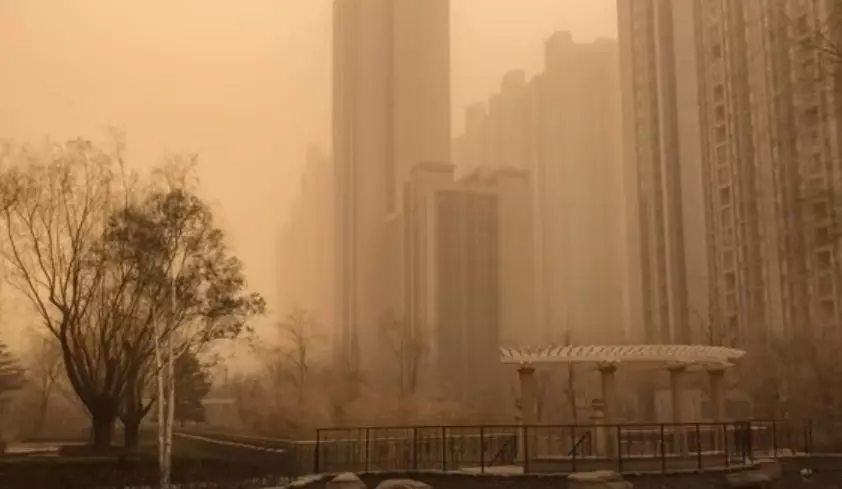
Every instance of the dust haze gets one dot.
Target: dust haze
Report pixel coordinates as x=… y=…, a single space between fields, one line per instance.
x=417 y=212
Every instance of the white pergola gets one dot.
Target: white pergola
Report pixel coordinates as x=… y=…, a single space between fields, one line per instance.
x=651 y=355
x=677 y=359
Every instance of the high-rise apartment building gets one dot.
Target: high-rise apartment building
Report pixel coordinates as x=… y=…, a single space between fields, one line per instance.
x=306 y=258
x=562 y=127
x=662 y=154
x=770 y=105
x=466 y=287
x=391 y=110
x=737 y=100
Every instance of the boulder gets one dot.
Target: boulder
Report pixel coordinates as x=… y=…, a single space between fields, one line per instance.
x=598 y=479
x=346 y=480
x=403 y=484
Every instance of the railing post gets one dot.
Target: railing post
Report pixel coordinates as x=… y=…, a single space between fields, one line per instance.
x=316 y=461
x=775 y=438
x=526 y=449
x=574 y=445
x=725 y=444
x=808 y=436
x=749 y=448
x=663 y=451
x=482 y=449
x=444 y=448
x=415 y=448
x=619 y=449
x=367 y=448
x=699 y=446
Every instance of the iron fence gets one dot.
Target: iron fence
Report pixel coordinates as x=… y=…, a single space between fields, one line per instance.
x=664 y=447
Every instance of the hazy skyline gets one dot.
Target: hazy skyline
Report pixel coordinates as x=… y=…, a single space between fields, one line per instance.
x=245 y=85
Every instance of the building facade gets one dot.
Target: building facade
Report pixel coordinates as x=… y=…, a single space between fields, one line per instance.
x=391 y=110
x=466 y=291
x=663 y=168
x=770 y=102
x=306 y=255
x=562 y=126
x=731 y=114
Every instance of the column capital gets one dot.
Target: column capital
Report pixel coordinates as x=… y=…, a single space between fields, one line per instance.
x=525 y=368
x=607 y=367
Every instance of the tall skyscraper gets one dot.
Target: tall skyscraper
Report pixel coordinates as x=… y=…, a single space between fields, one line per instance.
x=577 y=170
x=732 y=113
x=391 y=110
x=306 y=273
x=562 y=127
x=770 y=105
x=662 y=148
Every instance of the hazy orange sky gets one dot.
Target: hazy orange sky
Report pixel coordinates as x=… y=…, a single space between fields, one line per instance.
x=246 y=84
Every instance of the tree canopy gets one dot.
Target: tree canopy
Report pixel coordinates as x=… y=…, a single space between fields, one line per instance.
x=107 y=263
x=192 y=384
x=11 y=374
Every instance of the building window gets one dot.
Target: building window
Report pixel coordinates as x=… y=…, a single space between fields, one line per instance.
x=825 y=285
x=730 y=281
x=722 y=153
x=811 y=116
x=716 y=51
x=822 y=235
x=725 y=196
x=823 y=259
x=728 y=259
x=728 y=237
x=720 y=113
x=731 y=302
x=733 y=322
x=726 y=219
x=721 y=133
x=827 y=311
x=820 y=210
x=718 y=93
x=815 y=164
x=803 y=24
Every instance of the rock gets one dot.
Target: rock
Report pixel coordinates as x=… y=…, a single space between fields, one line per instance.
x=347 y=480
x=403 y=484
x=749 y=479
x=598 y=479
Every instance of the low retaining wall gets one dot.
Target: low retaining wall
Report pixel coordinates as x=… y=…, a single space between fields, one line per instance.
x=827 y=474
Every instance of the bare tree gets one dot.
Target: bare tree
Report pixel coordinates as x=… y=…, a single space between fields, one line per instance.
x=52 y=227
x=543 y=380
x=299 y=327
x=570 y=385
x=97 y=261
x=407 y=346
x=45 y=371
x=715 y=331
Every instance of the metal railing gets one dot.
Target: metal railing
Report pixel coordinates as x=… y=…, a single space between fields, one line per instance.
x=661 y=448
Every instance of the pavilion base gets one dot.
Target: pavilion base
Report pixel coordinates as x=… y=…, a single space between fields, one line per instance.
x=639 y=463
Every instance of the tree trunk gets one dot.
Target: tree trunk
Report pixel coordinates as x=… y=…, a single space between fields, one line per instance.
x=131 y=431
x=102 y=425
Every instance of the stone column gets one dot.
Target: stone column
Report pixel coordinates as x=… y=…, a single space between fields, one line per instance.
x=529 y=414
x=717 y=396
x=717 y=405
x=607 y=373
x=677 y=391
